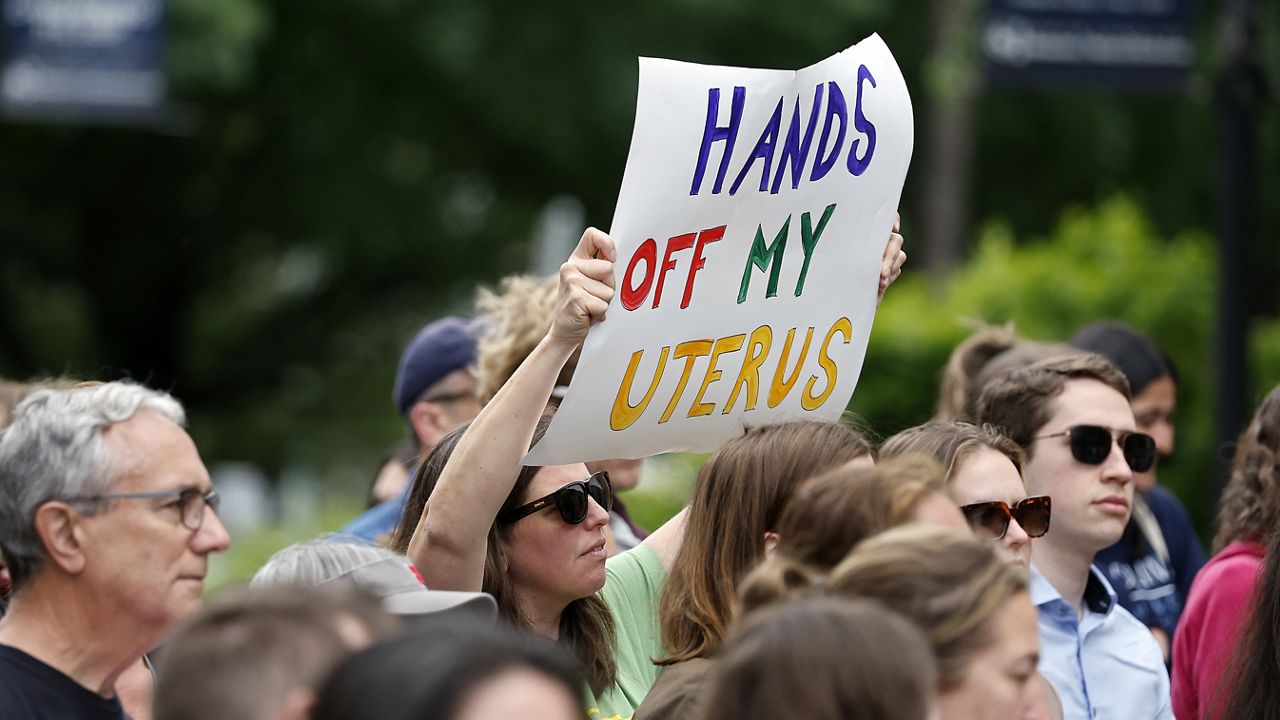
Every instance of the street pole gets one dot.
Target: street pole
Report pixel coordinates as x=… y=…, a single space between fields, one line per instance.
x=1237 y=96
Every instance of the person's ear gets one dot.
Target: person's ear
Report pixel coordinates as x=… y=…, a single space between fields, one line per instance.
x=770 y=544
x=297 y=705
x=428 y=423
x=62 y=534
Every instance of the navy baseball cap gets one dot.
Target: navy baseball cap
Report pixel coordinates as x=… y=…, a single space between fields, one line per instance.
x=438 y=349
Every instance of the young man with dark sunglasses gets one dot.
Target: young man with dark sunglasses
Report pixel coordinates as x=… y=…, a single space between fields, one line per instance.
x=1071 y=415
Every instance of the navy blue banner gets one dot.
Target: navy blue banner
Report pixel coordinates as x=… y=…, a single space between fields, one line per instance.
x=1137 y=44
x=83 y=60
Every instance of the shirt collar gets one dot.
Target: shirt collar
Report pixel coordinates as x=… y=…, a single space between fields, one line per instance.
x=1099 y=597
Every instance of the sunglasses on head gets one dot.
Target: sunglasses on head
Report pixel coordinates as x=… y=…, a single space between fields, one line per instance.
x=1091 y=444
x=990 y=520
x=571 y=501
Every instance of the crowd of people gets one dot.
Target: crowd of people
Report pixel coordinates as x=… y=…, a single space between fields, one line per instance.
x=1013 y=558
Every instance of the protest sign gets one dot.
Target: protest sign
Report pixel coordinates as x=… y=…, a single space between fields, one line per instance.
x=753 y=214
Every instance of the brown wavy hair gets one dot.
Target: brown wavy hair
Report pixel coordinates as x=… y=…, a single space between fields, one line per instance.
x=951 y=443
x=1250 y=505
x=737 y=498
x=586 y=625
x=951 y=584
x=1247 y=687
x=835 y=511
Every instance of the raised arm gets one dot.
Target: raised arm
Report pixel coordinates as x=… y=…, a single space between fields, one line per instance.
x=450 y=541
x=666 y=540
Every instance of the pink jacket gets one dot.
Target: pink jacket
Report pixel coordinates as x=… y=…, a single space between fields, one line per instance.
x=1220 y=600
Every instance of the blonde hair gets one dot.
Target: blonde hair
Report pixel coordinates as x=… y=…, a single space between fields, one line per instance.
x=515 y=319
x=989 y=352
x=964 y=364
x=951 y=584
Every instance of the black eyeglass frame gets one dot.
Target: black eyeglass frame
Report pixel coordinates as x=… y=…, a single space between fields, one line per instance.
x=185 y=497
x=1139 y=459
x=1011 y=513
x=446 y=398
x=553 y=499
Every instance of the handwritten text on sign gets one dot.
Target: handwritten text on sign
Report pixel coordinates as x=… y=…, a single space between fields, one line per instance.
x=753 y=213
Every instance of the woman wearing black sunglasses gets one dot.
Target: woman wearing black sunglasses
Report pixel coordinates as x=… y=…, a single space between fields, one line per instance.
x=496 y=525
x=534 y=536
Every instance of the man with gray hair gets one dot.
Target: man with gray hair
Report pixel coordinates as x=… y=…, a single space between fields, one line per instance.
x=107 y=519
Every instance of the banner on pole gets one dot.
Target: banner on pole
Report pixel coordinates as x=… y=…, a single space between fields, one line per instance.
x=1142 y=45
x=83 y=61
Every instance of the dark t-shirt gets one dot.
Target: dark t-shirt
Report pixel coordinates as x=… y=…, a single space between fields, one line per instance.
x=31 y=690
x=679 y=693
x=1147 y=586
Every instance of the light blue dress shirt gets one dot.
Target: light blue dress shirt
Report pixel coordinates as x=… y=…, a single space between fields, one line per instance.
x=1106 y=665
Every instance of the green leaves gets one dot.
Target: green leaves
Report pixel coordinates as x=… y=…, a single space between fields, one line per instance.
x=1104 y=262
x=214 y=46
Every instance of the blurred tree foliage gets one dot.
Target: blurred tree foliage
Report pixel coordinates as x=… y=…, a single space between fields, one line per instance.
x=338 y=171
x=1095 y=264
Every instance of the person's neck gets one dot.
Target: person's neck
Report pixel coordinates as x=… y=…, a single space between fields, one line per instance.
x=542 y=613
x=1067 y=570
x=52 y=623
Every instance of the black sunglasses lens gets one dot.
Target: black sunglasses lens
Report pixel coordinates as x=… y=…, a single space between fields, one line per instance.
x=1140 y=452
x=599 y=490
x=989 y=520
x=1090 y=444
x=1033 y=515
x=571 y=501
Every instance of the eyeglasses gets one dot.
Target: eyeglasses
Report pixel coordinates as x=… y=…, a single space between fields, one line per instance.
x=990 y=520
x=446 y=398
x=1091 y=444
x=190 y=502
x=572 y=500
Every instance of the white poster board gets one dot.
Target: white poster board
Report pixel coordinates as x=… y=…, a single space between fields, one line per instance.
x=754 y=210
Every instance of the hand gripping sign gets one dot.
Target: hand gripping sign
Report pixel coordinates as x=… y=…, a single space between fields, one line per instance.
x=753 y=213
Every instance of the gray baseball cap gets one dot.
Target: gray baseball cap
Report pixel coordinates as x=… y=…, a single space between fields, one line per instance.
x=398 y=585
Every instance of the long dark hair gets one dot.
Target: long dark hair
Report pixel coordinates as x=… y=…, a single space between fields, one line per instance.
x=586 y=625
x=1252 y=692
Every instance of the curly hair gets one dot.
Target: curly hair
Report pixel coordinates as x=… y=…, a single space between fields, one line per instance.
x=1250 y=506
x=515 y=319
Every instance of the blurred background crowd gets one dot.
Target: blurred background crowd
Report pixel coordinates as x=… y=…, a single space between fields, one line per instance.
x=314 y=181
